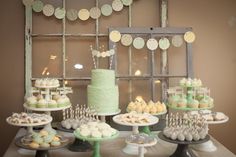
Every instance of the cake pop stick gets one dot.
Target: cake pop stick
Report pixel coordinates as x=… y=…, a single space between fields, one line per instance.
x=64 y=114
x=94 y=60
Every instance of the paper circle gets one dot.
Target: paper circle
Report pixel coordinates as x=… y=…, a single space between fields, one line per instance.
x=28 y=2
x=138 y=43
x=177 y=41
x=106 y=10
x=95 y=13
x=152 y=44
x=115 y=36
x=189 y=37
x=164 y=43
x=83 y=14
x=117 y=5
x=127 y=2
x=48 y=10
x=37 y=6
x=60 y=13
x=72 y=14
x=126 y=40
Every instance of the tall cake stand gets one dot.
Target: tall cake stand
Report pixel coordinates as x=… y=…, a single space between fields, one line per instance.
x=209 y=145
x=78 y=145
x=40 y=152
x=47 y=111
x=131 y=149
x=183 y=149
x=96 y=145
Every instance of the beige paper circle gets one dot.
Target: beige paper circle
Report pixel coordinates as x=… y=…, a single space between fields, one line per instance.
x=117 y=5
x=28 y=2
x=127 y=2
x=152 y=44
x=115 y=36
x=60 y=13
x=95 y=13
x=84 y=14
x=48 y=10
x=72 y=14
x=189 y=37
x=126 y=40
x=37 y=6
x=138 y=43
x=164 y=43
x=106 y=10
x=177 y=41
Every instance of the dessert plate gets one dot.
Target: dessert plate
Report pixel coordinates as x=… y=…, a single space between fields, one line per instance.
x=138 y=43
x=49 y=120
x=164 y=43
x=117 y=5
x=60 y=13
x=95 y=13
x=115 y=36
x=37 y=6
x=152 y=44
x=177 y=41
x=127 y=2
x=48 y=10
x=83 y=14
x=189 y=37
x=106 y=10
x=126 y=40
x=72 y=14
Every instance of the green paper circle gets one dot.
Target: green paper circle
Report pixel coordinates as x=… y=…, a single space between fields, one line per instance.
x=72 y=14
x=37 y=6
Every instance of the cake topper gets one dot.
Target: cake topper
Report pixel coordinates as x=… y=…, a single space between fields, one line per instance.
x=102 y=53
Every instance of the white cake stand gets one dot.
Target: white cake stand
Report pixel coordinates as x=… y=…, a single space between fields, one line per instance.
x=209 y=145
x=133 y=149
x=47 y=111
x=103 y=115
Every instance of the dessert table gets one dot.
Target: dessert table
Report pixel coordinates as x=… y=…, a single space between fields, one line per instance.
x=114 y=147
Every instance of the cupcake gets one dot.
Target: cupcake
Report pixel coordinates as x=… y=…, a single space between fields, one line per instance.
x=45 y=145
x=32 y=101
x=182 y=103
x=203 y=103
x=174 y=100
x=34 y=145
x=42 y=103
x=189 y=82
x=55 y=143
x=61 y=102
x=195 y=83
x=193 y=103
x=52 y=104
x=182 y=82
x=56 y=97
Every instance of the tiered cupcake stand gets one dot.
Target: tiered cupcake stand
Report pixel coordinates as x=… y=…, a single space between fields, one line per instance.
x=133 y=149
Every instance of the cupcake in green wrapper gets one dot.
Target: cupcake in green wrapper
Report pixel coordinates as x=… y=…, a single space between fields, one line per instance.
x=204 y=103
x=182 y=102
x=32 y=101
x=193 y=103
x=173 y=100
x=42 y=103
x=52 y=104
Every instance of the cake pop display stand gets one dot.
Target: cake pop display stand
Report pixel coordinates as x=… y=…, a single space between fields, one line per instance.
x=96 y=144
x=40 y=152
x=141 y=147
x=78 y=145
x=183 y=149
x=209 y=145
x=47 y=111
x=132 y=149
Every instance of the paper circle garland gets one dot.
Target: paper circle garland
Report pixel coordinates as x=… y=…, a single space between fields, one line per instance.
x=138 y=43
x=164 y=43
x=126 y=40
x=115 y=36
x=177 y=41
x=60 y=13
x=37 y=6
x=72 y=14
x=48 y=10
x=189 y=37
x=117 y=5
x=83 y=14
x=106 y=10
x=28 y=2
x=95 y=13
x=152 y=44
x=127 y=2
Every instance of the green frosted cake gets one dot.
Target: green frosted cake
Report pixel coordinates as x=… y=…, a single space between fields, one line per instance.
x=103 y=94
